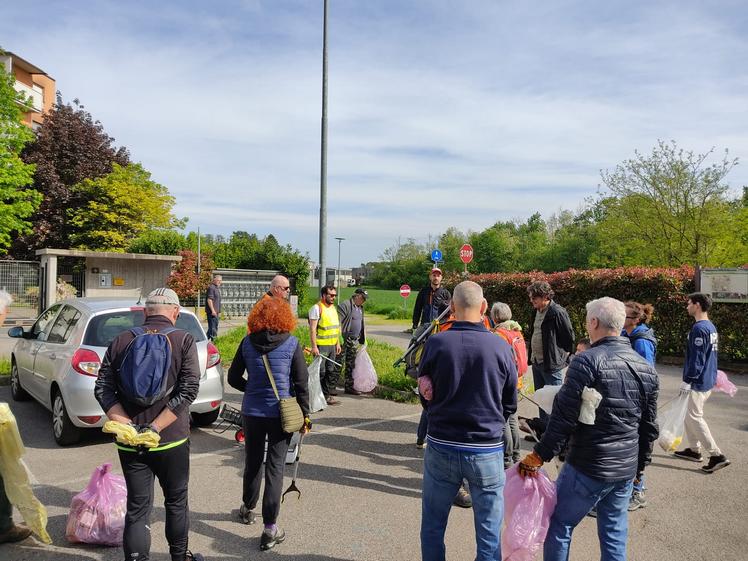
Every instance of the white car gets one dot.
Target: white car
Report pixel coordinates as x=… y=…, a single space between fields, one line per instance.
x=56 y=362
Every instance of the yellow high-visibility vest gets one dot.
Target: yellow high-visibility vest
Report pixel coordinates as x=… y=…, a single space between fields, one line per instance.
x=328 y=327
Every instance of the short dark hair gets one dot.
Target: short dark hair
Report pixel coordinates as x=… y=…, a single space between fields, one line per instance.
x=327 y=288
x=540 y=288
x=585 y=343
x=702 y=299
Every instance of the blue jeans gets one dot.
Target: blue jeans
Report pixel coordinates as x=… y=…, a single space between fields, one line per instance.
x=212 y=326
x=542 y=378
x=577 y=494
x=443 y=472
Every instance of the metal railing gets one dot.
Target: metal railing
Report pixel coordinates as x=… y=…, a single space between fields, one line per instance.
x=21 y=280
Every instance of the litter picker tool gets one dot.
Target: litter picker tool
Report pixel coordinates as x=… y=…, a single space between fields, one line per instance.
x=293 y=488
x=309 y=351
x=421 y=337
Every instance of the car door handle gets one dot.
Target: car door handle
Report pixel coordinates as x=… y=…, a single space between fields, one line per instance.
x=53 y=356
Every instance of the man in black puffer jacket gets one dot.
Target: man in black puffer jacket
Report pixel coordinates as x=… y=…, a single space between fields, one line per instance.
x=604 y=458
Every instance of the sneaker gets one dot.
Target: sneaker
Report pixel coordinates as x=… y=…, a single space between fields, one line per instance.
x=334 y=393
x=530 y=426
x=270 y=539
x=420 y=444
x=593 y=512
x=193 y=557
x=688 y=454
x=351 y=391
x=15 y=534
x=638 y=500
x=715 y=463
x=462 y=499
x=246 y=515
x=332 y=401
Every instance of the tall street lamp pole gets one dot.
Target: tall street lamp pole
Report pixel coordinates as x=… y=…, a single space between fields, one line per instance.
x=323 y=163
x=337 y=275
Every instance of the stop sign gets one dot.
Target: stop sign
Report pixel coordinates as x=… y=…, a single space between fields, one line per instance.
x=405 y=291
x=466 y=253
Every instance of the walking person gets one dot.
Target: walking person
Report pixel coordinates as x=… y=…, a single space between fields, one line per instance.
x=472 y=377
x=351 y=314
x=550 y=340
x=271 y=322
x=324 y=332
x=9 y=532
x=213 y=306
x=606 y=457
x=699 y=377
x=169 y=462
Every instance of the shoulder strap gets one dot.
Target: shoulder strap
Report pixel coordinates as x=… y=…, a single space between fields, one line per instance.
x=270 y=375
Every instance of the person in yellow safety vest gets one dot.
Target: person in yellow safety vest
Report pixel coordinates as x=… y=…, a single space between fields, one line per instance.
x=324 y=331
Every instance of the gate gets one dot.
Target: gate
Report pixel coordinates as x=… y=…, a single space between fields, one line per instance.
x=21 y=280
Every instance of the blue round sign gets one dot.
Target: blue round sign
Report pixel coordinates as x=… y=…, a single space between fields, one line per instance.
x=436 y=255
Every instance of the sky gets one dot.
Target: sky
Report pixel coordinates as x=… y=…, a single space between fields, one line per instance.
x=440 y=113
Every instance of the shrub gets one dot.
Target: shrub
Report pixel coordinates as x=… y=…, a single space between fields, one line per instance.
x=666 y=289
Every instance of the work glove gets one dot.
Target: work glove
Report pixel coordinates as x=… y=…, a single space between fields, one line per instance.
x=530 y=465
x=426 y=388
x=685 y=388
x=307 y=426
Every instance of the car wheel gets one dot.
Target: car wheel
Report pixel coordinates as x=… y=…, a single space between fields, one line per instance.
x=205 y=419
x=18 y=393
x=65 y=432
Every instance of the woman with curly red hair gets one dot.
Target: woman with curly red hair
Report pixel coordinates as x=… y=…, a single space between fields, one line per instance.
x=270 y=324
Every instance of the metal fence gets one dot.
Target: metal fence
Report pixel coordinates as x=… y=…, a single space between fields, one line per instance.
x=241 y=288
x=21 y=280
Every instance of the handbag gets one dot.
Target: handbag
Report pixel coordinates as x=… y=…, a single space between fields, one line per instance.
x=292 y=419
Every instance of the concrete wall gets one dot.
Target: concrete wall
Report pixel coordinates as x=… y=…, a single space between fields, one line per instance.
x=136 y=276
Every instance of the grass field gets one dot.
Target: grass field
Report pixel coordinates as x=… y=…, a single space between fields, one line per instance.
x=383 y=302
x=4 y=367
x=382 y=355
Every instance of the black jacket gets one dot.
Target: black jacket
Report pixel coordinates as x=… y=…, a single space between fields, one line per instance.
x=184 y=377
x=558 y=337
x=619 y=445
x=440 y=298
x=264 y=342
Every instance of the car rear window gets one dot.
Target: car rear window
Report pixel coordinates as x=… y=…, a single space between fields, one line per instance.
x=103 y=328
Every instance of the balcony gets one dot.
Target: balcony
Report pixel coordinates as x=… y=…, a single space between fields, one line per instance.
x=34 y=92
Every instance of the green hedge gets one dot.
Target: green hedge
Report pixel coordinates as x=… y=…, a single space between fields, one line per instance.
x=665 y=289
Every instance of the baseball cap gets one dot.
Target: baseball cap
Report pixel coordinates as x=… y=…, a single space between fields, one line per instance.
x=163 y=296
x=362 y=292
x=436 y=270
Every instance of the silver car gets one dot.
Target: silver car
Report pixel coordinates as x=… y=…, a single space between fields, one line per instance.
x=56 y=362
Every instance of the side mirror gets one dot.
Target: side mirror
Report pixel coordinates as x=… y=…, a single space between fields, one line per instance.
x=16 y=332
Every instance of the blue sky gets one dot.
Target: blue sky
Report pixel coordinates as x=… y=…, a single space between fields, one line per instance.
x=441 y=113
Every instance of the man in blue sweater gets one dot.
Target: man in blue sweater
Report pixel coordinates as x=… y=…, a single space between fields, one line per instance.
x=474 y=390
x=699 y=377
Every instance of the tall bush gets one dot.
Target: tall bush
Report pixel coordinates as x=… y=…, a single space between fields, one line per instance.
x=665 y=289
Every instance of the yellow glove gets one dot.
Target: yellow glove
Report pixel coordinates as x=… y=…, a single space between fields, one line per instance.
x=530 y=465
x=129 y=435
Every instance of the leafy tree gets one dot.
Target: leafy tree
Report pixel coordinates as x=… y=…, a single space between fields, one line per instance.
x=159 y=242
x=184 y=279
x=70 y=146
x=17 y=204
x=669 y=207
x=118 y=207
x=450 y=243
x=494 y=248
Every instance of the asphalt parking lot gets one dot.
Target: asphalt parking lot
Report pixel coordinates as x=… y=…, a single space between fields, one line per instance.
x=360 y=479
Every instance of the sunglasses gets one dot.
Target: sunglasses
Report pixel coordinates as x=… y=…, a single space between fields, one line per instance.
x=284 y=288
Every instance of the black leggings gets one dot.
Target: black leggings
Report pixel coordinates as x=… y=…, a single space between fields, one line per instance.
x=172 y=468
x=255 y=431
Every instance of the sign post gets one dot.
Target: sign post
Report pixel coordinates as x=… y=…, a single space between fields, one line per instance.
x=436 y=256
x=466 y=254
x=405 y=292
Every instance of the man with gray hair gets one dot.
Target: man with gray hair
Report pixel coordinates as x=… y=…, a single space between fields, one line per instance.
x=472 y=391
x=9 y=532
x=169 y=417
x=607 y=456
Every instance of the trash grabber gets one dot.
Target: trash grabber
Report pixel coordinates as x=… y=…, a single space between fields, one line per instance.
x=293 y=488
x=308 y=351
x=421 y=336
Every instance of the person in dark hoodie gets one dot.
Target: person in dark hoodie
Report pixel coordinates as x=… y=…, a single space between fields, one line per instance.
x=635 y=327
x=270 y=323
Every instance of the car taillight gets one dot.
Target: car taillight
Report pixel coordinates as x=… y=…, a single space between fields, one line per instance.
x=214 y=357
x=90 y=419
x=86 y=362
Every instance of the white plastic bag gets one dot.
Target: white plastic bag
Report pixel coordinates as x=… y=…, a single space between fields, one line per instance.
x=672 y=422
x=316 y=397
x=591 y=399
x=544 y=397
x=364 y=374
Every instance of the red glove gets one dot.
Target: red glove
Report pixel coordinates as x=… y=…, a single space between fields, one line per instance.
x=530 y=465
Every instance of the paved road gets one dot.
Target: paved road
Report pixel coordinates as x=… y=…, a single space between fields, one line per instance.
x=360 y=480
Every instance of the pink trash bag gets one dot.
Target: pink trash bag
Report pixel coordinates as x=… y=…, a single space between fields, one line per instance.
x=364 y=373
x=724 y=384
x=97 y=514
x=528 y=505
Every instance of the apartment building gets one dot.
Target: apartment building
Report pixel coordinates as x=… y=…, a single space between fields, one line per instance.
x=35 y=83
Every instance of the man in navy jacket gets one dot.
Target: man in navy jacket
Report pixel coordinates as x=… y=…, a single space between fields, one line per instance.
x=474 y=390
x=699 y=377
x=605 y=457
